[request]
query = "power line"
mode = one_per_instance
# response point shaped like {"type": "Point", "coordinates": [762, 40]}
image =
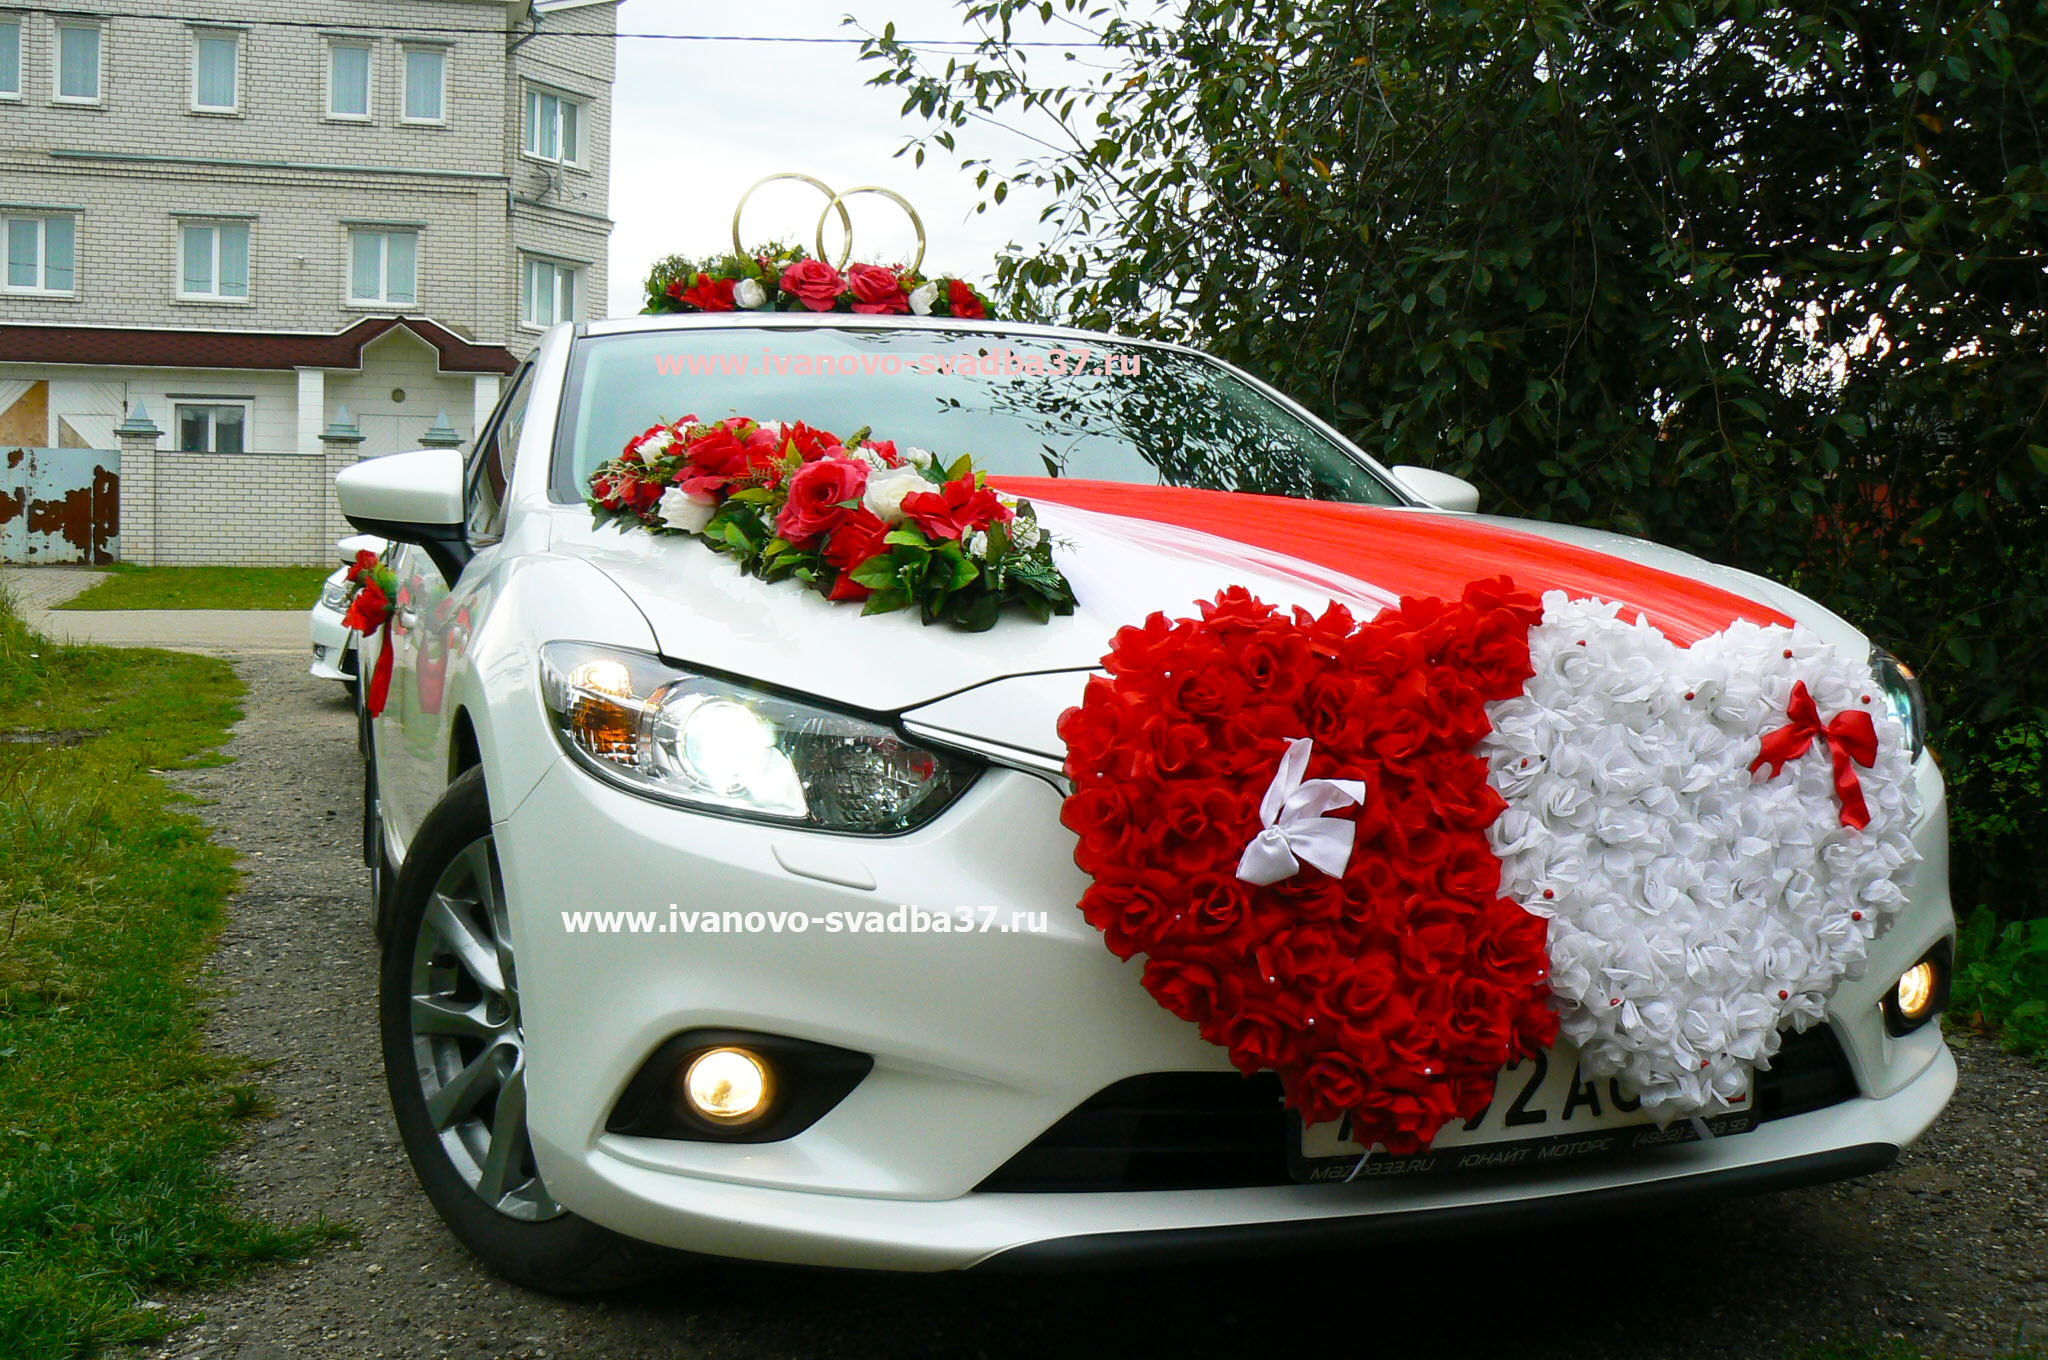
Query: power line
{"type": "Point", "coordinates": [343, 26]}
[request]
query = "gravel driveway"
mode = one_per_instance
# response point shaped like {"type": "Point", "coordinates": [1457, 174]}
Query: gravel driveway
{"type": "Point", "coordinates": [1949, 1249]}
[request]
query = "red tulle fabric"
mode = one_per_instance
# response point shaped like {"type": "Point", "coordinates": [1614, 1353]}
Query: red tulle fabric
{"type": "Point", "coordinates": [1410, 552]}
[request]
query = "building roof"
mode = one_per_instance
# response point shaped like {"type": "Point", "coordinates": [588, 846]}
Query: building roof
{"type": "Point", "coordinates": [143, 347]}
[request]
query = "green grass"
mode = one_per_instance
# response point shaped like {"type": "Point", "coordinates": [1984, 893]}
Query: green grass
{"type": "Point", "coordinates": [127, 586]}
{"type": "Point", "coordinates": [2001, 982]}
{"type": "Point", "coordinates": [111, 1113]}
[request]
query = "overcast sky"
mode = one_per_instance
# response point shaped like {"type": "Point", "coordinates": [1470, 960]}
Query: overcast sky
{"type": "Point", "coordinates": [696, 123]}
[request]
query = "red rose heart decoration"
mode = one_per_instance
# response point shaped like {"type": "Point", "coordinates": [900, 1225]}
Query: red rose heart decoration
{"type": "Point", "coordinates": [1393, 994]}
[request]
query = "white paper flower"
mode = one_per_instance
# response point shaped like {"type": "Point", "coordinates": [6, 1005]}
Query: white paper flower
{"type": "Point", "coordinates": [656, 444]}
{"type": "Point", "coordinates": [749, 296]}
{"type": "Point", "coordinates": [886, 490]}
{"type": "Point", "coordinates": [1696, 909]}
{"type": "Point", "coordinates": [681, 510]}
{"type": "Point", "coordinates": [922, 297]}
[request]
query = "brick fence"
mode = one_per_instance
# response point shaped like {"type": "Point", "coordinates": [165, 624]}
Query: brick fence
{"type": "Point", "coordinates": [244, 510]}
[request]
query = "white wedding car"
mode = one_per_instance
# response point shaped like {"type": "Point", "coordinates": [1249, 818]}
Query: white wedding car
{"type": "Point", "coordinates": [617, 1012]}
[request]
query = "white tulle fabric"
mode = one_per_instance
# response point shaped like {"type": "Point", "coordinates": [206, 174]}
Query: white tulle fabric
{"type": "Point", "coordinates": [1695, 908]}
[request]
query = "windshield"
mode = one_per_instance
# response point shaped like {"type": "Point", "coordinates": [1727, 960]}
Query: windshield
{"type": "Point", "coordinates": [1022, 405]}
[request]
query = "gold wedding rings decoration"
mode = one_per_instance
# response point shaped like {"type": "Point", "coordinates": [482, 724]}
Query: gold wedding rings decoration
{"type": "Point", "coordinates": [835, 200]}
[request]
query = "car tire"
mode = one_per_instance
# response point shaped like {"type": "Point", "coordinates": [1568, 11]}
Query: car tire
{"type": "Point", "coordinates": [458, 1084]}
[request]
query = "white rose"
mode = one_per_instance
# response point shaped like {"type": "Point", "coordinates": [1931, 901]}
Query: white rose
{"type": "Point", "coordinates": [918, 457]}
{"type": "Point", "coordinates": [680, 509]}
{"type": "Point", "coordinates": [886, 490]}
{"type": "Point", "coordinates": [749, 296]}
{"type": "Point", "coordinates": [922, 297]}
{"type": "Point", "coordinates": [976, 543]}
{"type": "Point", "coordinates": [656, 443]}
{"type": "Point", "coordinates": [1025, 533]}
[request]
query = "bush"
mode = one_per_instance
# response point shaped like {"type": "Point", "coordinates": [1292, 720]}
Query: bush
{"type": "Point", "coordinates": [2002, 980]}
{"type": "Point", "coordinates": [1759, 281]}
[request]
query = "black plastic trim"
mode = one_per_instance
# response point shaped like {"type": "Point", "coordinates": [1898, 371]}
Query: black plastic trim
{"type": "Point", "coordinates": [810, 1079]}
{"type": "Point", "coordinates": [1178, 1246]}
{"type": "Point", "coordinates": [446, 544]}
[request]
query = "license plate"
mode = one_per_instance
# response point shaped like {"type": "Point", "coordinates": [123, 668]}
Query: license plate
{"type": "Point", "coordinates": [1544, 1110]}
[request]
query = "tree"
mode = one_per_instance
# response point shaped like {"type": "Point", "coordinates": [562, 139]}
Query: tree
{"type": "Point", "coordinates": [1769, 282]}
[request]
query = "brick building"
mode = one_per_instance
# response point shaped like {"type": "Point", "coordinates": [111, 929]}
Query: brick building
{"type": "Point", "coordinates": [249, 241]}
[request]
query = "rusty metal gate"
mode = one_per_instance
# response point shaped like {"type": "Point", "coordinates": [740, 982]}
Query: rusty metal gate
{"type": "Point", "coordinates": [60, 505]}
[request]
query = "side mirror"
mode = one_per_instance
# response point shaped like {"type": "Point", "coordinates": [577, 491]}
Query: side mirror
{"type": "Point", "coordinates": [410, 498]}
{"type": "Point", "coordinates": [1439, 489]}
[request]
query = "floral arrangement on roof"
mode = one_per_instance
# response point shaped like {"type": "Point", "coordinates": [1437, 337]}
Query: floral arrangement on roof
{"type": "Point", "coordinates": [854, 519]}
{"type": "Point", "coordinates": [787, 278]}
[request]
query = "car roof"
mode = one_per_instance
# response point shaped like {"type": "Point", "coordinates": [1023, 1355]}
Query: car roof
{"type": "Point", "coordinates": [799, 321]}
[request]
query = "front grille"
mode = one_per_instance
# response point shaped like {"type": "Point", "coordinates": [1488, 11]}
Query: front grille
{"type": "Point", "coordinates": [1218, 1130]}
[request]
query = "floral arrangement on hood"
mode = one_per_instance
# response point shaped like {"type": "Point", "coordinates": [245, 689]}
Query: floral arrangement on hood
{"type": "Point", "coordinates": [854, 519]}
{"type": "Point", "coordinates": [781, 278]}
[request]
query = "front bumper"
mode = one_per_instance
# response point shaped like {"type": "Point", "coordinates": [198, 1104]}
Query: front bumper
{"type": "Point", "coordinates": [982, 1041]}
{"type": "Point", "coordinates": [334, 655]}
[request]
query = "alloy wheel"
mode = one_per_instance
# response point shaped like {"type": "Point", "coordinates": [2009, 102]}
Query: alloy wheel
{"type": "Point", "coordinates": [469, 1050]}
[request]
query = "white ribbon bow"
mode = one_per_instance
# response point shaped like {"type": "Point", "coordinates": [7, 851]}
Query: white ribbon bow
{"type": "Point", "coordinates": [1296, 829]}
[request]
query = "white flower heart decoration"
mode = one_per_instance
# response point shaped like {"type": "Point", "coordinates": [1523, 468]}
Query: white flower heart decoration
{"type": "Point", "coordinates": [1695, 907]}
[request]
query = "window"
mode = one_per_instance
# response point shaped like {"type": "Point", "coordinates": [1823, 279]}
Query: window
{"type": "Point", "coordinates": [10, 58]}
{"type": "Point", "coordinates": [78, 63]}
{"type": "Point", "coordinates": [426, 81]}
{"type": "Point", "coordinates": [216, 66]}
{"type": "Point", "coordinates": [214, 261]}
{"type": "Point", "coordinates": [348, 80]}
{"type": "Point", "coordinates": [383, 266]}
{"type": "Point", "coordinates": [42, 254]}
{"type": "Point", "coordinates": [554, 127]}
{"type": "Point", "coordinates": [213, 428]}
{"type": "Point", "coordinates": [549, 293]}
{"type": "Point", "coordinates": [490, 462]}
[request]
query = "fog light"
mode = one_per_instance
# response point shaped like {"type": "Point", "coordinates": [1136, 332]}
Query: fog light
{"type": "Point", "coordinates": [1921, 992]}
{"type": "Point", "coordinates": [728, 1086]}
{"type": "Point", "coordinates": [1916, 992]}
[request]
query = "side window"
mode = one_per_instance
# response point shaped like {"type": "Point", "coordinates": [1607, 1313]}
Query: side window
{"type": "Point", "coordinates": [490, 463]}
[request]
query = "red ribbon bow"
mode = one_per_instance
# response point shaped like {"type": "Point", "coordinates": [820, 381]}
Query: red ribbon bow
{"type": "Point", "coordinates": [1851, 740]}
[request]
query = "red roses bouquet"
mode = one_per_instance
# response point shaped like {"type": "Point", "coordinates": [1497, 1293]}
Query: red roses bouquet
{"type": "Point", "coordinates": [787, 278]}
{"type": "Point", "coordinates": [855, 519]}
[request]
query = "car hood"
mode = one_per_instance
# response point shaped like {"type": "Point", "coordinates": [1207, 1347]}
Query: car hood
{"type": "Point", "coordinates": [1129, 551]}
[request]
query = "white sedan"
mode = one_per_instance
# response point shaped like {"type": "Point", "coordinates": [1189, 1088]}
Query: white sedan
{"type": "Point", "coordinates": [738, 919]}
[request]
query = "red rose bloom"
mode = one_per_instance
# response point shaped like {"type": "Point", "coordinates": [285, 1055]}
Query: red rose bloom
{"type": "Point", "coordinates": [959, 509]}
{"type": "Point", "coordinates": [857, 539]}
{"type": "Point", "coordinates": [964, 301]}
{"type": "Point", "coordinates": [817, 496]}
{"type": "Point", "coordinates": [812, 444]}
{"type": "Point", "coordinates": [675, 289]}
{"type": "Point", "coordinates": [710, 295]}
{"type": "Point", "coordinates": [719, 456]}
{"type": "Point", "coordinates": [877, 290]}
{"type": "Point", "coordinates": [814, 283]}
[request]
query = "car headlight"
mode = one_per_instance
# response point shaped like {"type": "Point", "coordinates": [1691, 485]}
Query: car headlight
{"type": "Point", "coordinates": [1902, 697]}
{"type": "Point", "coordinates": [334, 595]}
{"type": "Point", "coordinates": [718, 746]}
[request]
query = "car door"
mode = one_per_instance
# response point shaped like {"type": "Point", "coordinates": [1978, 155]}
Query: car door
{"type": "Point", "coordinates": [430, 621]}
